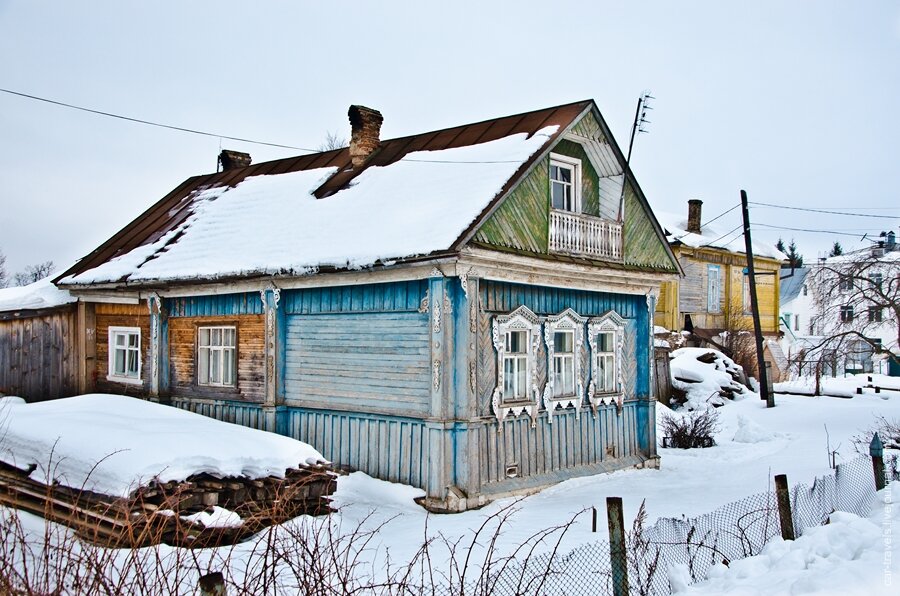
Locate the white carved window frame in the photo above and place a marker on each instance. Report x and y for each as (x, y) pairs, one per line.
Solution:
(568, 320)
(521, 319)
(609, 322)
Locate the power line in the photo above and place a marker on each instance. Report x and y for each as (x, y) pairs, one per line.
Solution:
(835, 232)
(712, 220)
(728, 233)
(150, 123)
(826, 211)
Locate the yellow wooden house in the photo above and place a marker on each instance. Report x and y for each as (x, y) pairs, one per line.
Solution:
(714, 294)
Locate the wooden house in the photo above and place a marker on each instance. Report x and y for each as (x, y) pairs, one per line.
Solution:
(467, 310)
(714, 294)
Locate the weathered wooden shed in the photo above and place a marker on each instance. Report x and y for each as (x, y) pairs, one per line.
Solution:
(468, 310)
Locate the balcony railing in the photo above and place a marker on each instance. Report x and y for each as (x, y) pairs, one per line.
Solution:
(585, 235)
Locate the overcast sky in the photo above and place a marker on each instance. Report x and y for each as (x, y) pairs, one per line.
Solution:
(793, 101)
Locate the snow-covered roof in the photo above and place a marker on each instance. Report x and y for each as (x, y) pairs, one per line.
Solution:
(273, 224)
(40, 294)
(711, 235)
(790, 286)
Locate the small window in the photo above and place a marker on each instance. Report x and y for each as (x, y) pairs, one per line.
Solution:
(605, 336)
(565, 183)
(796, 322)
(748, 304)
(846, 314)
(876, 279)
(124, 354)
(216, 349)
(713, 288)
(875, 315)
(846, 283)
(563, 363)
(515, 366)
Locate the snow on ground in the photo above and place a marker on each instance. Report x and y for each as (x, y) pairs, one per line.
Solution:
(112, 444)
(849, 556)
(40, 294)
(704, 381)
(839, 386)
(753, 445)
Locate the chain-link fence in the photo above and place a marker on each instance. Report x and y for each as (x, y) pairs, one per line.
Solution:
(689, 545)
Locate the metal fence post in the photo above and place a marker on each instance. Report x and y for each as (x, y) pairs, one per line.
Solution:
(784, 506)
(876, 450)
(618, 553)
(212, 584)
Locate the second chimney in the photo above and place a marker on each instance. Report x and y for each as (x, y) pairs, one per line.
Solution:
(694, 206)
(365, 128)
(233, 159)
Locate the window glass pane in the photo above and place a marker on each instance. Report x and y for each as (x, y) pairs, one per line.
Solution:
(515, 342)
(229, 337)
(509, 377)
(520, 377)
(132, 363)
(562, 342)
(204, 337)
(133, 340)
(203, 366)
(119, 339)
(119, 362)
(568, 376)
(227, 367)
(215, 366)
(605, 342)
(609, 381)
(215, 337)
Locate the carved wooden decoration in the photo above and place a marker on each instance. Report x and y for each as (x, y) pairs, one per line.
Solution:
(568, 320)
(521, 319)
(609, 322)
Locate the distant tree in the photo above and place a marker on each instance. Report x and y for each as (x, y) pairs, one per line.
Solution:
(3, 280)
(795, 259)
(33, 273)
(836, 250)
(332, 141)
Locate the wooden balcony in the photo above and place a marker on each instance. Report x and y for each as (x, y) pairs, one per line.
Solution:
(585, 236)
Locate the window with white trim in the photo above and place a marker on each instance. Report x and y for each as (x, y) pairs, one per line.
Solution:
(606, 336)
(216, 351)
(713, 288)
(564, 339)
(124, 355)
(515, 337)
(565, 183)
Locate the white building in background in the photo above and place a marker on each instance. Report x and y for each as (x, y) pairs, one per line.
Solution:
(849, 298)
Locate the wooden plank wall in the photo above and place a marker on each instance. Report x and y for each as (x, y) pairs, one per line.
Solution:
(393, 449)
(374, 362)
(37, 356)
(609, 440)
(235, 412)
(121, 315)
(251, 383)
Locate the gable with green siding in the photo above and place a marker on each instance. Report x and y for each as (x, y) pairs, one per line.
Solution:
(521, 222)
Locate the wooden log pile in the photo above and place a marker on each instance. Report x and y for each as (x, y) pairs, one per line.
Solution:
(153, 514)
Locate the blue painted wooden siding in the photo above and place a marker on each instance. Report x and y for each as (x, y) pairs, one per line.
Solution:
(375, 362)
(608, 442)
(387, 297)
(246, 303)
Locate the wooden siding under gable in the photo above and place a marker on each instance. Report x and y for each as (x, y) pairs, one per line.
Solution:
(37, 356)
(122, 315)
(522, 221)
(643, 247)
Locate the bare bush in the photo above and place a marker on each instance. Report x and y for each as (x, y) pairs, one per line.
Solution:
(694, 429)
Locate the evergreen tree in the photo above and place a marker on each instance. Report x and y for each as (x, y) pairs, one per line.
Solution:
(780, 245)
(795, 259)
(836, 250)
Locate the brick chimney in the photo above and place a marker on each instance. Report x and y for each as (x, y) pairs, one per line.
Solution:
(233, 159)
(694, 206)
(365, 128)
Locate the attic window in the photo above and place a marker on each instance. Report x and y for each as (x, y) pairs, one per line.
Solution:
(565, 183)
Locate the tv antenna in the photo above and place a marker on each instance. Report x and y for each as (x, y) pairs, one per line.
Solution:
(639, 126)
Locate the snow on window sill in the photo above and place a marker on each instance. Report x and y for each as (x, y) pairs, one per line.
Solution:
(125, 380)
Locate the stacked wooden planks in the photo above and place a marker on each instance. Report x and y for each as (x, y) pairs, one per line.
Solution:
(153, 514)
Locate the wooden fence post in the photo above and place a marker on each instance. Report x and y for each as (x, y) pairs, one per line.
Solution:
(784, 506)
(618, 553)
(212, 584)
(876, 450)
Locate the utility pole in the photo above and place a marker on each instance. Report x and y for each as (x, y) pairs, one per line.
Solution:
(754, 306)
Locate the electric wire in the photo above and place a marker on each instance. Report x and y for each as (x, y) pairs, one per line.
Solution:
(829, 212)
